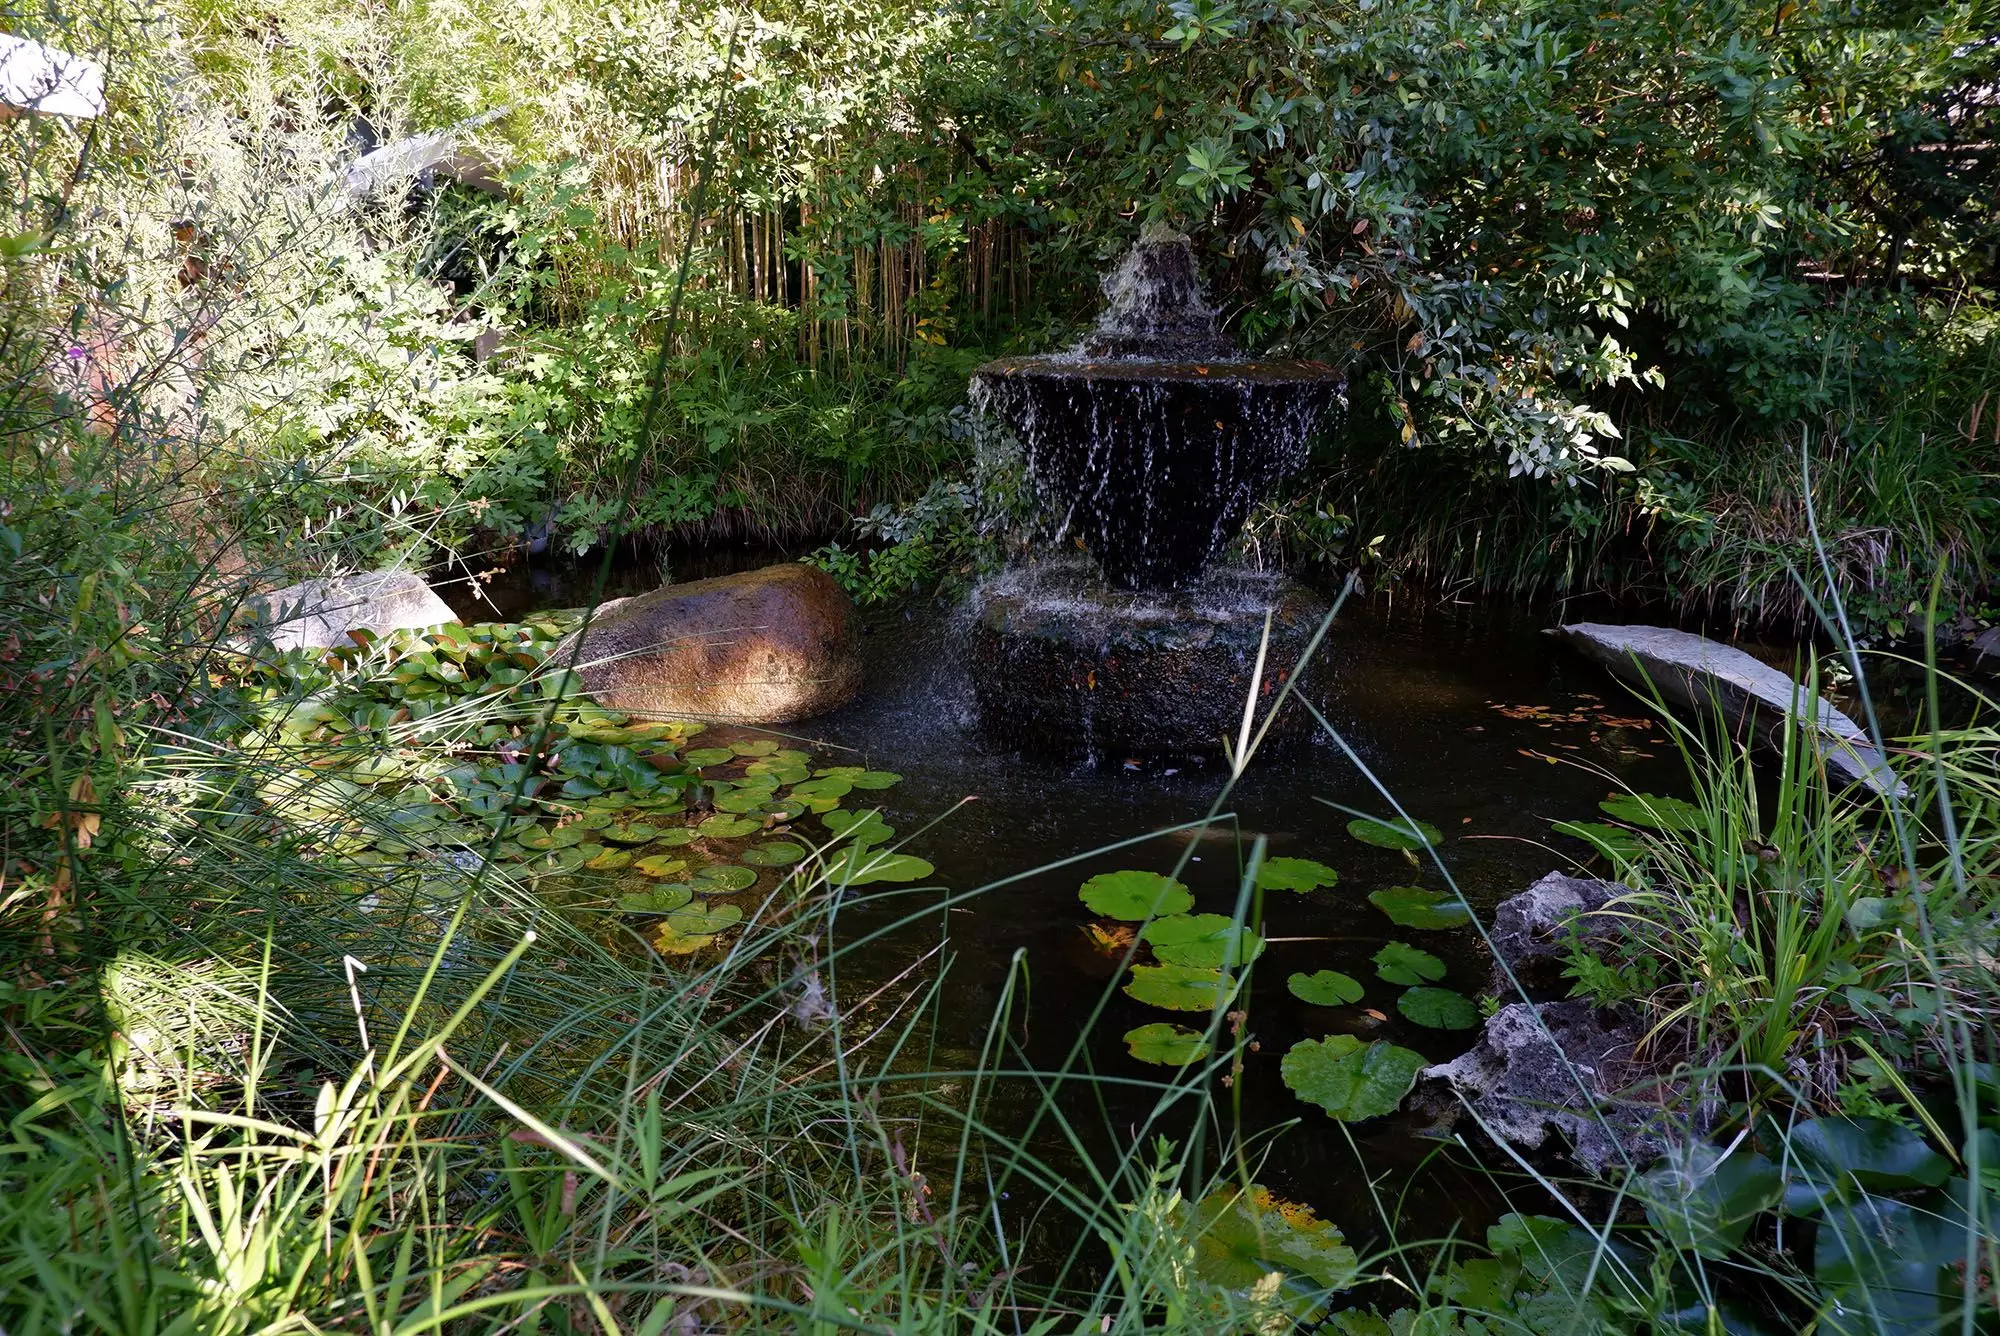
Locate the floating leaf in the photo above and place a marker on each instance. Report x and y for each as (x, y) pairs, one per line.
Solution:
(1349, 1079)
(875, 779)
(1205, 941)
(1168, 1045)
(745, 799)
(861, 827)
(630, 832)
(1243, 1236)
(664, 866)
(1438, 1008)
(671, 943)
(1415, 907)
(761, 747)
(703, 920)
(813, 789)
(676, 836)
(658, 900)
(611, 860)
(1614, 842)
(1180, 987)
(728, 827)
(1134, 895)
(723, 879)
(1398, 834)
(1654, 812)
(1399, 962)
(1325, 988)
(703, 757)
(1295, 874)
(779, 854)
(860, 865)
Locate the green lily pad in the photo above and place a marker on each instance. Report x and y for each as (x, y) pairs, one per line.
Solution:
(860, 865)
(1438, 1008)
(728, 827)
(778, 772)
(702, 757)
(1295, 874)
(1398, 834)
(745, 799)
(1168, 1045)
(723, 879)
(1350, 1079)
(664, 866)
(1654, 812)
(675, 836)
(611, 860)
(1206, 941)
(630, 832)
(861, 827)
(1134, 895)
(658, 900)
(1325, 988)
(778, 854)
(1180, 987)
(1399, 962)
(703, 920)
(1416, 907)
(1241, 1236)
(875, 779)
(1614, 842)
(813, 789)
(761, 747)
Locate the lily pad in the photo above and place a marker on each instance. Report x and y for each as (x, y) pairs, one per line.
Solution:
(728, 827)
(822, 788)
(875, 779)
(1205, 941)
(1350, 1079)
(1399, 962)
(702, 757)
(675, 836)
(671, 943)
(778, 854)
(658, 900)
(703, 920)
(1295, 874)
(1438, 1008)
(1325, 988)
(630, 832)
(859, 865)
(749, 799)
(723, 879)
(1180, 987)
(1654, 812)
(664, 866)
(611, 860)
(861, 827)
(1416, 907)
(1168, 1045)
(1614, 842)
(1134, 895)
(1243, 1236)
(1398, 834)
(760, 747)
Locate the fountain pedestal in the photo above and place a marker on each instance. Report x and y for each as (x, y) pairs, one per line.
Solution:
(1063, 665)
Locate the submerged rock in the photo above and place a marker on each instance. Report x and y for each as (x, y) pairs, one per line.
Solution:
(1573, 1071)
(767, 646)
(1062, 664)
(1702, 674)
(1531, 931)
(317, 614)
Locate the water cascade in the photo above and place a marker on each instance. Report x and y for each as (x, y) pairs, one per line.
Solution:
(1148, 445)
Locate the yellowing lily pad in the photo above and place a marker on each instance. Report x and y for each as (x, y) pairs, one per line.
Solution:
(664, 866)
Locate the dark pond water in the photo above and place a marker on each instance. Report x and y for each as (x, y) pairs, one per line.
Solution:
(1477, 723)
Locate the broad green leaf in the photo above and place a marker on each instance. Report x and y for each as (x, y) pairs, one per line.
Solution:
(1398, 834)
(1206, 941)
(1168, 1045)
(728, 827)
(630, 832)
(1655, 812)
(1438, 1008)
(822, 788)
(1325, 988)
(1399, 962)
(702, 757)
(861, 865)
(611, 860)
(1134, 895)
(723, 879)
(777, 854)
(664, 866)
(1180, 987)
(1350, 1079)
(749, 799)
(1241, 1236)
(694, 920)
(658, 900)
(1702, 1200)
(875, 779)
(1613, 842)
(1295, 874)
(761, 747)
(861, 827)
(1416, 907)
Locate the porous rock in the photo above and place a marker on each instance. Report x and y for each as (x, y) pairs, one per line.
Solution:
(1532, 931)
(316, 614)
(1701, 674)
(759, 647)
(1570, 1072)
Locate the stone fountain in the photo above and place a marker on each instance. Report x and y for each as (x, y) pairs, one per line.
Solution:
(1147, 445)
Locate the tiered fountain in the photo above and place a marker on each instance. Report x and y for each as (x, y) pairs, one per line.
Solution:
(1147, 445)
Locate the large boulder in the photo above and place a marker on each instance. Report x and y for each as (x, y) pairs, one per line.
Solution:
(319, 613)
(1532, 931)
(760, 647)
(1702, 675)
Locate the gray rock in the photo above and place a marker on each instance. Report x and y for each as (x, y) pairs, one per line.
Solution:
(1568, 1070)
(1702, 674)
(436, 154)
(320, 613)
(1531, 931)
(37, 78)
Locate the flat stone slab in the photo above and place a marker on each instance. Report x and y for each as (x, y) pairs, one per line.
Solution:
(318, 614)
(1700, 674)
(39, 78)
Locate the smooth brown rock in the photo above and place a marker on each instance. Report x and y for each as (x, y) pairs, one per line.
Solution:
(760, 647)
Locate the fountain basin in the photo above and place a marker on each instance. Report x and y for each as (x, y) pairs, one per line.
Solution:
(1062, 665)
(1155, 465)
